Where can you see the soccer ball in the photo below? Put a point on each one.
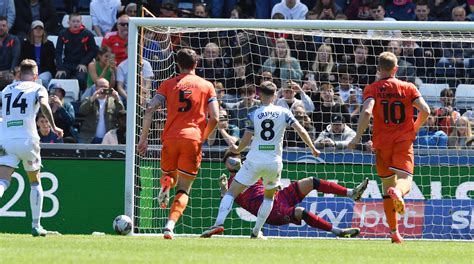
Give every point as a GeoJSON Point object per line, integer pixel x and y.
{"type": "Point", "coordinates": [122, 225]}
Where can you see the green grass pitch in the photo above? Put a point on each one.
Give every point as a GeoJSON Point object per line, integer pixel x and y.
{"type": "Point", "coordinates": [138, 249]}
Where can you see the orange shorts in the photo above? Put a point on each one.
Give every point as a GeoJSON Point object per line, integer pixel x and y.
{"type": "Point", "coordinates": [184, 155]}
{"type": "Point", "coordinates": [396, 157]}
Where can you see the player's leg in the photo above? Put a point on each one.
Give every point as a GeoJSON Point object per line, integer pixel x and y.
{"type": "Point", "coordinates": [263, 212]}
{"type": "Point", "coordinates": [383, 162]}
{"type": "Point", "coordinates": [403, 165]}
{"type": "Point", "coordinates": [179, 204]}
{"type": "Point", "coordinates": [312, 183]}
{"type": "Point", "coordinates": [169, 165]}
{"type": "Point", "coordinates": [317, 222]}
{"type": "Point", "coordinates": [245, 177]}
{"type": "Point", "coordinates": [36, 202]}
{"type": "Point", "coordinates": [5, 178]}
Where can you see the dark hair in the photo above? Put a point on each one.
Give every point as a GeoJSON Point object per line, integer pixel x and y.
{"type": "Point", "coordinates": [447, 93]}
{"type": "Point", "coordinates": [422, 2]}
{"type": "Point", "coordinates": [75, 14]}
{"type": "Point", "coordinates": [187, 58]}
{"type": "Point", "coordinates": [248, 89]}
{"type": "Point", "coordinates": [267, 88]}
{"type": "Point", "coordinates": [376, 4]}
{"type": "Point", "coordinates": [3, 18]}
{"type": "Point", "coordinates": [39, 115]}
{"type": "Point", "coordinates": [121, 114]}
{"type": "Point", "coordinates": [346, 69]}
{"type": "Point", "coordinates": [103, 50]}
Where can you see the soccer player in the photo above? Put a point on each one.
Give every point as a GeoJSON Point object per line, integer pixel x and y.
{"type": "Point", "coordinates": [284, 208]}
{"type": "Point", "coordinates": [19, 139]}
{"type": "Point", "coordinates": [391, 102]}
{"type": "Point", "coordinates": [188, 98]}
{"type": "Point", "coordinates": [267, 126]}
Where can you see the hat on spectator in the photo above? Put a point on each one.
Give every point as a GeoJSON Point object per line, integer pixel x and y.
{"type": "Point", "coordinates": [57, 86]}
{"type": "Point", "coordinates": [169, 4]}
{"type": "Point", "coordinates": [336, 118]}
{"type": "Point", "coordinates": [37, 23]}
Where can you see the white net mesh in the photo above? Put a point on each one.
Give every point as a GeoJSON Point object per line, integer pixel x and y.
{"type": "Point", "coordinates": [332, 67]}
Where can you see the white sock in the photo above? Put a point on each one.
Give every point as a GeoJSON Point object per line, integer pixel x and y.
{"type": "Point", "coordinates": [36, 203]}
{"type": "Point", "coordinates": [350, 192]}
{"type": "Point", "coordinates": [336, 231]}
{"type": "Point", "coordinates": [263, 213]}
{"type": "Point", "coordinates": [224, 209]}
{"type": "Point", "coordinates": [170, 225]}
{"type": "Point", "coordinates": [3, 186]}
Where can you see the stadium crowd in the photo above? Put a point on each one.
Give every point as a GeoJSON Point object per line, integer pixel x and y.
{"type": "Point", "coordinates": [320, 78]}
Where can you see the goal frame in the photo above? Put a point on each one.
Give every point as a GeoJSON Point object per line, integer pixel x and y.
{"type": "Point", "coordinates": [136, 22]}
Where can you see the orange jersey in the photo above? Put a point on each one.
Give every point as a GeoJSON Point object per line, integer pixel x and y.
{"type": "Point", "coordinates": [393, 110]}
{"type": "Point", "coordinates": [187, 97]}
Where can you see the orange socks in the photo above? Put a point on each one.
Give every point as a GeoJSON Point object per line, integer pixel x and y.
{"type": "Point", "coordinates": [179, 205]}
{"type": "Point", "coordinates": [390, 213]}
{"type": "Point", "coordinates": [404, 185]}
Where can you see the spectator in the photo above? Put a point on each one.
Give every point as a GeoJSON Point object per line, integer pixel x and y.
{"type": "Point", "coordinates": [222, 8]}
{"type": "Point", "coordinates": [117, 40]}
{"type": "Point", "coordinates": [200, 11]}
{"type": "Point", "coordinates": [326, 10]}
{"type": "Point", "coordinates": [303, 48]}
{"type": "Point", "coordinates": [45, 132]}
{"type": "Point", "coordinates": [401, 9]}
{"type": "Point", "coordinates": [102, 67]}
{"type": "Point", "coordinates": [240, 110]}
{"type": "Point", "coordinates": [458, 14]}
{"type": "Point", "coordinates": [168, 9]}
{"type": "Point", "coordinates": [236, 13]}
{"type": "Point", "coordinates": [263, 8]}
{"type": "Point", "coordinates": [461, 137]}
{"type": "Point", "coordinates": [350, 94]}
{"type": "Point", "coordinates": [289, 101]}
{"type": "Point", "coordinates": [429, 136]}
{"type": "Point", "coordinates": [9, 52]}
{"type": "Point", "coordinates": [117, 135]}
{"type": "Point", "coordinates": [328, 106]}
{"type": "Point", "coordinates": [442, 9]}
{"type": "Point", "coordinates": [211, 67]}
{"type": "Point", "coordinates": [282, 66]}
{"type": "Point", "coordinates": [28, 11]}
{"type": "Point", "coordinates": [421, 58]}
{"type": "Point", "coordinates": [337, 134]}
{"type": "Point", "coordinates": [225, 134]}
{"type": "Point", "coordinates": [470, 4]}
{"type": "Point", "coordinates": [406, 70]}
{"type": "Point", "coordinates": [236, 77]}
{"type": "Point", "coordinates": [99, 110]}
{"type": "Point", "coordinates": [131, 10]}
{"type": "Point", "coordinates": [291, 9]}
{"type": "Point", "coordinates": [359, 10]}
{"type": "Point", "coordinates": [37, 47]}
{"type": "Point", "coordinates": [74, 50]}
{"type": "Point", "coordinates": [422, 11]}
{"type": "Point", "coordinates": [324, 66]}
{"type": "Point", "coordinates": [446, 115]}
{"type": "Point", "coordinates": [104, 15]}
{"type": "Point", "coordinates": [7, 9]}
{"type": "Point", "coordinates": [63, 112]}
{"type": "Point", "coordinates": [469, 114]}
{"type": "Point", "coordinates": [365, 71]}
{"type": "Point", "coordinates": [292, 139]}
{"type": "Point", "coordinates": [378, 14]}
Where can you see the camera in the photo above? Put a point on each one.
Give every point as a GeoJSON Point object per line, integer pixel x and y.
{"type": "Point", "coordinates": [107, 91]}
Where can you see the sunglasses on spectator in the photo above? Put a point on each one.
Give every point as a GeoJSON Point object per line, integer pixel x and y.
{"type": "Point", "coordinates": [123, 24]}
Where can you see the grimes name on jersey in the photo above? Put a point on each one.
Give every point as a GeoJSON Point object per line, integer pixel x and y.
{"type": "Point", "coordinates": [268, 114]}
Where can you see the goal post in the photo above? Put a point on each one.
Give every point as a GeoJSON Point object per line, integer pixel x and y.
{"type": "Point", "coordinates": [441, 200]}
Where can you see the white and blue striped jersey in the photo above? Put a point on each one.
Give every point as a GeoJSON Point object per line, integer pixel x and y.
{"type": "Point", "coordinates": [268, 124]}
{"type": "Point", "coordinates": [20, 104]}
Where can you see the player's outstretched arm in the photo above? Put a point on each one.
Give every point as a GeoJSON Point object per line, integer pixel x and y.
{"type": "Point", "coordinates": [46, 110]}
{"type": "Point", "coordinates": [244, 142]}
{"type": "Point", "coordinates": [364, 120]}
{"type": "Point", "coordinates": [151, 107]}
{"type": "Point", "coordinates": [305, 137]}
{"type": "Point", "coordinates": [424, 109]}
{"type": "Point", "coordinates": [213, 109]}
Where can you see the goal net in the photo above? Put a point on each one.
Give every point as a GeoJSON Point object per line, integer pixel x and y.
{"type": "Point", "coordinates": [332, 62]}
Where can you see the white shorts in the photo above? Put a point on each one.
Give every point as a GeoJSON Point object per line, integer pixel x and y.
{"type": "Point", "coordinates": [16, 150]}
{"type": "Point", "coordinates": [251, 171]}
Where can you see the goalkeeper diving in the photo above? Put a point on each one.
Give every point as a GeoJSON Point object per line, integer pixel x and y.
{"type": "Point", "coordinates": [284, 210]}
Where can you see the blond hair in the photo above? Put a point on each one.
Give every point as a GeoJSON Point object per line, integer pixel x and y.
{"type": "Point", "coordinates": [326, 66]}
{"type": "Point", "coordinates": [387, 61]}
{"type": "Point", "coordinates": [274, 54]}
{"type": "Point", "coordinates": [455, 137]}
{"type": "Point", "coordinates": [28, 66]}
